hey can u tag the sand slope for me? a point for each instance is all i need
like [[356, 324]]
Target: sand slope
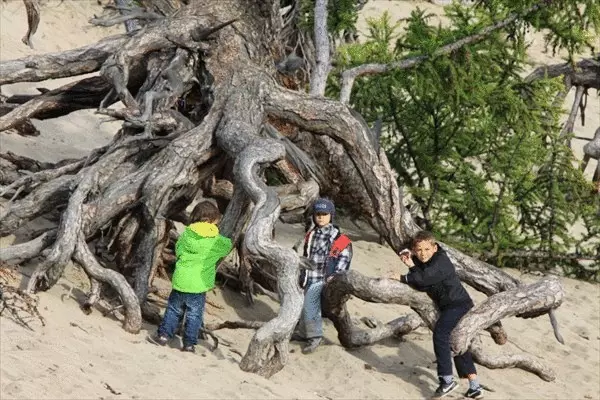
[[75, 355], [79, 356]]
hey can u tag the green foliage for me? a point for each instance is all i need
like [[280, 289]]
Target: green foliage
[[478, 147], [341, 15]]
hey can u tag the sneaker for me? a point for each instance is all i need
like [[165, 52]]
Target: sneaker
[[189, 348], [158, 339], [311, 345], [444, 389], [474, 393]]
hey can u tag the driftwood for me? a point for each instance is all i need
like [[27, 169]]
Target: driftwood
[[202, 103]]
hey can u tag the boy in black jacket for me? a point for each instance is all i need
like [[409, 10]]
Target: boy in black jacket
[[431, 271]]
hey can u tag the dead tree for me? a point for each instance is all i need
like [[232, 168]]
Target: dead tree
[[583, 76], [592, 150], [203, 104]]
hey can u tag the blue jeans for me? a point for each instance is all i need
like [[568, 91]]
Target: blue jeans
[[193, 305], [441, 344], [311, 323]]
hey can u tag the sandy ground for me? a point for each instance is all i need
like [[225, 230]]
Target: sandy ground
[[79, 356]]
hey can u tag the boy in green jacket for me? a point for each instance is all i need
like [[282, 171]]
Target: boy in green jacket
[[198, 250]]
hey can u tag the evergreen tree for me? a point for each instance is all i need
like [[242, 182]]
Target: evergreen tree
[[478, 147]]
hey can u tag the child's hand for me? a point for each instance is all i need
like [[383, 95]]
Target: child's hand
[[406, 257]]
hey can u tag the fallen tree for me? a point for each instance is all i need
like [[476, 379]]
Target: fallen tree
[[203, 106]]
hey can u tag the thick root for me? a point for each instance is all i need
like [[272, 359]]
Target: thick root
[[525, 362], [535, 299], [133, 314]]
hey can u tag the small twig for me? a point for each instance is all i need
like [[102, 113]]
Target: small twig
[[112, 310], [215, 305], [17, 302], [113, 391], [17, 193], [213, 337], [234, 351], [77, 326]]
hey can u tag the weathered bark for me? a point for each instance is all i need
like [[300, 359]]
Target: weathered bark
[[592, 150], [237, 134], [378, 290], [215, 326], [318, 78], [83, 94], [48, 272], [79, 61], [33, 20], [536, 299], [28, 250], [128, 16], [567, 129], [374, 290], [93, 296], [523, 361], [525, 301], [133, 316]]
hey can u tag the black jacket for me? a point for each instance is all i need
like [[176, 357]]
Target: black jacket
[[438, 278]]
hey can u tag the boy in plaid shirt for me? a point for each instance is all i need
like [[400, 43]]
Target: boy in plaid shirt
[[331, 252]]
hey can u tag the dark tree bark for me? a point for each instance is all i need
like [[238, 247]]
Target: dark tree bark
[[202, 101]]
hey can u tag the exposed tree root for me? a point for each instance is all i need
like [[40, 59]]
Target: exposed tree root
[[33, 20], [240, 324], [526, 301], [268, 350], [28, 250], [133, 316], [87, 93], [523, 361]]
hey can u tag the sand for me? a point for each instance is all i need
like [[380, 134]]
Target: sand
[[77, 356]]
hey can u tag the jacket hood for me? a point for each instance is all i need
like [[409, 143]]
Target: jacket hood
[[204, 229]]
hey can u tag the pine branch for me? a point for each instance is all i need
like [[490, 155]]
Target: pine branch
[[541, 254], [584, 73], [350, 75]]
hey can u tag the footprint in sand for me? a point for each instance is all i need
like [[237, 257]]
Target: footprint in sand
[[12, 389]]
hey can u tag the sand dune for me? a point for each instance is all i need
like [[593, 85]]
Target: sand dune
[[79, 356]]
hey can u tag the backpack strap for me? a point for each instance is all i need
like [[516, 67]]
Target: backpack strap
[[307, 241], [339, 244]]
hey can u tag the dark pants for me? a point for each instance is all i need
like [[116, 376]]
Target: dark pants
[[193, 305], [441, 344]]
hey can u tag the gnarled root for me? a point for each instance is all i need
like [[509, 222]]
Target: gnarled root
[[523, 361], [535, 299], [133, 315], [268, 350]]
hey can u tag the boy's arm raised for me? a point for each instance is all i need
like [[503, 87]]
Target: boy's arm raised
[[438, 270]]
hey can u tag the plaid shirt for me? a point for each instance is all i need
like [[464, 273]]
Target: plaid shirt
[[318, 246]]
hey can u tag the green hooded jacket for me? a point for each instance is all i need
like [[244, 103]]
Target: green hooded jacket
[[198, 250]]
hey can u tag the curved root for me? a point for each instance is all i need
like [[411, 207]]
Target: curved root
[[522, 361]]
